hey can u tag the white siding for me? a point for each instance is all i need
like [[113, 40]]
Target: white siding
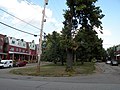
[[17, 42]]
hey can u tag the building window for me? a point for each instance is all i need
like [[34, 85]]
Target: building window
[[16, 49], [1, 39], [24, 44], [13, 42], [12, 49], [33, 46], [23, 50], [19, 50], [1, 47]]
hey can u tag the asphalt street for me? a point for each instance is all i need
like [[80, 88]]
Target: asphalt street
[[106, 78]]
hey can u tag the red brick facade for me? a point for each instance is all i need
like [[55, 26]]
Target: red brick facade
[[2, 42], [17, 49]]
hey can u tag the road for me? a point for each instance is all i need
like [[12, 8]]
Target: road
[[108, 78]]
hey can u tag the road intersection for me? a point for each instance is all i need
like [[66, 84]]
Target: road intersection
[[106, 78]]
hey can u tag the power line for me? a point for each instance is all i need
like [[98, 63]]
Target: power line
[[29, 2], [17, 29], [18, 23], [19, 19], [46, 17]]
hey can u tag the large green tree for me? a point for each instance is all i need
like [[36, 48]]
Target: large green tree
[[54, 50], [82, 13], [90, 45], [111, 52]]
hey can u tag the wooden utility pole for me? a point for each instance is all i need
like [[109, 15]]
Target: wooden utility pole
[[40, 40]]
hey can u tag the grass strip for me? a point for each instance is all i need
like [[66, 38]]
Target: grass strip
[[53, 70]]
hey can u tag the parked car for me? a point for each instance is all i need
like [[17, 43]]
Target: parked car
[[19, 64], [114, 62], [108, 62], [6, 63]]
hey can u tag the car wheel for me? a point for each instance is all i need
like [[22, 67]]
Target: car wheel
[[18, 65], [2, 67]]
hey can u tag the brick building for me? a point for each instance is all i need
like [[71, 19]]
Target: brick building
[[2, 44], [17, 49]]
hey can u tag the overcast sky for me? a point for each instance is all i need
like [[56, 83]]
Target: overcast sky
[[32, 13]]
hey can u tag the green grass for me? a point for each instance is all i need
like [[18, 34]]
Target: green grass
[[52, 70]]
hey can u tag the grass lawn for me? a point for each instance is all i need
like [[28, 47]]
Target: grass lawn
[[52, 70]]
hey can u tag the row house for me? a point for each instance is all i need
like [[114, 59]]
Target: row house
[[18, 49], [2, 43], [117, 53], [32, 49]]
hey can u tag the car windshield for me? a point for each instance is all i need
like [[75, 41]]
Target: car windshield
[[114, 61]]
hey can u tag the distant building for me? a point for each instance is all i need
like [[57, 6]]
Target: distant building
[[117, 53]]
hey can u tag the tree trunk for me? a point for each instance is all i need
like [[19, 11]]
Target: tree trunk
[[75, 58], [62, 61], [69, 60]]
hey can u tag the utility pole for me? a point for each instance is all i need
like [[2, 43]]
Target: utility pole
[[40, 40]]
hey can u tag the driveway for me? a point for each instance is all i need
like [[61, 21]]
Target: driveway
[[108, 69]]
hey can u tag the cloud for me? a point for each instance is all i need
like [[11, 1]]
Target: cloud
[[25, 11], [106, 32], [59, 27], [30, 13]]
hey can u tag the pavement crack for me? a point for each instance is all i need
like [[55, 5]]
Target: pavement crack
[[41, 85]]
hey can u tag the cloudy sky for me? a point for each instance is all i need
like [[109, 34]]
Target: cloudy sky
[[31, 12]]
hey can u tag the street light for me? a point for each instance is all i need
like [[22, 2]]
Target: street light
[[46, 2], [40, 40]]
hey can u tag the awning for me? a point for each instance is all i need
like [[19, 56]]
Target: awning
[[18, 53], [3, 53], [118, 55]]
